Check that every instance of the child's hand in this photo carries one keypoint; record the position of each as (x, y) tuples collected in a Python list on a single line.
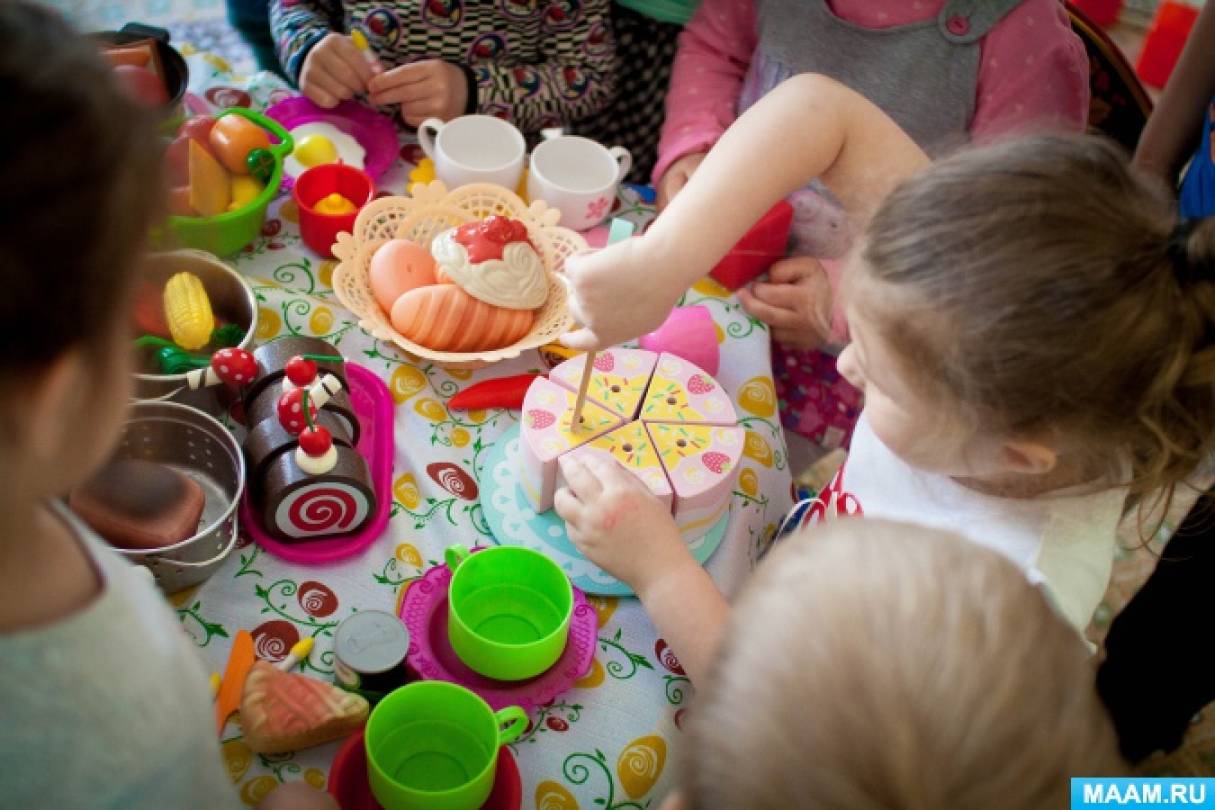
[(428, 89), (334, 71), (795, 302), (676, 177), (618, 524), (618, 293)]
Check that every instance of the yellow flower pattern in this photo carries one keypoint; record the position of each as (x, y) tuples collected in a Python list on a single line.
[(405, 382)]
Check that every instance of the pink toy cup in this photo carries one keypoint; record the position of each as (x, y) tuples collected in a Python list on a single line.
[(318, 230), (689, 333)]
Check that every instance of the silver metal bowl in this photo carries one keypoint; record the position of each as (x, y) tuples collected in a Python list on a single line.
[(232, 300), (197, 445)]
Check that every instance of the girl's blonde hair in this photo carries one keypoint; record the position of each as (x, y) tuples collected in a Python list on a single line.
[(1050, 289), (871, 665)]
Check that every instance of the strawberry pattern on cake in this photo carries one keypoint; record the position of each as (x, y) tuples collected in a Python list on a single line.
[(675, 429)]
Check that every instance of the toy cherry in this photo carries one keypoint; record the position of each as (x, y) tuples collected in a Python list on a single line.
[(235, 367), (301, 370), (316, 454)]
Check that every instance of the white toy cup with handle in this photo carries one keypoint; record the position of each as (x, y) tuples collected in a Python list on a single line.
[(579, 177), (474, 149)]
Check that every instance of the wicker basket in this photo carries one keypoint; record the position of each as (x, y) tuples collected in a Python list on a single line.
[(431, 210)]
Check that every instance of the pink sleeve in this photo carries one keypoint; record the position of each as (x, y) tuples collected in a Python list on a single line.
[(1034, 74), (714, 53)]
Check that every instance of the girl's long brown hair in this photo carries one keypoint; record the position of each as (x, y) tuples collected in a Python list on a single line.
[(1048, 287)]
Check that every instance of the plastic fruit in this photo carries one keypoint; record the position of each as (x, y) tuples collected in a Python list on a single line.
[(177, 161), (315, 150), (233, 138), (234, 366), (300, 370), (397, 267), (244, 191), (198, 128), (315, 441), (210, 192), (260, 164), (142, 85), (179, 202)]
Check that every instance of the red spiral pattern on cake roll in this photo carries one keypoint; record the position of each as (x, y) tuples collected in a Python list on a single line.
[(322, 509)]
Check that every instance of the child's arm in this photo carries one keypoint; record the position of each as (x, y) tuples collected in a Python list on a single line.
[(576, 77), (1034, 74), (1174, 128), (714, 53), (324, 64), (808, 127), (621, 527)]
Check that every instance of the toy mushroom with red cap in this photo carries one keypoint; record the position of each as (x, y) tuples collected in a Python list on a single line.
[(235, 367)]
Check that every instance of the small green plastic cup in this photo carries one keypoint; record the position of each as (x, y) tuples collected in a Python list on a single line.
[(433, 745), (508, 611)]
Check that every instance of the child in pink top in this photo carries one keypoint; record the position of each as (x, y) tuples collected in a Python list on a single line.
[(946, 71)]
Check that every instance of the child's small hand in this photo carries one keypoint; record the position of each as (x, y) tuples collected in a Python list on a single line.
[(431, 88), (334, 71), (676, 177), (618, 293), (795, 302), (618, 524)]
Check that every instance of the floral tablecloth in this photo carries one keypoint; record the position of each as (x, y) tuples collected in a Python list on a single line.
[(608, 743)]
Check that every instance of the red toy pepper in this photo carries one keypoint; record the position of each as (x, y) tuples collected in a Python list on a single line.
[(759, 248), (501, 392)]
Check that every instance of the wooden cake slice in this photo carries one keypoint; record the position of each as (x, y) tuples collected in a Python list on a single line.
[(546, 434), (618, 382), (683, 392), (701, 462), (630, 445), (283, 711)]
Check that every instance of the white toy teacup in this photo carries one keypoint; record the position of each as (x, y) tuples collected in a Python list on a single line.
[(474, 149), (578, 177)]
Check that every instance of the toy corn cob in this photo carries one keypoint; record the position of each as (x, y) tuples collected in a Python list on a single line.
[(188, 311)]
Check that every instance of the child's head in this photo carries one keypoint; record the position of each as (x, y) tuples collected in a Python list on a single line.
[(877, 665), (1038, 298), (79, 171)]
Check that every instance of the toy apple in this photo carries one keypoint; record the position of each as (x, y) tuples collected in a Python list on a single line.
[(301, 370)]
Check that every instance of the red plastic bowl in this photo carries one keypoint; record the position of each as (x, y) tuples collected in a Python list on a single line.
[(318, 230)]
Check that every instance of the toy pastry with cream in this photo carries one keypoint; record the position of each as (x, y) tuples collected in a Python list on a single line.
[(663, 418), (478, 288)]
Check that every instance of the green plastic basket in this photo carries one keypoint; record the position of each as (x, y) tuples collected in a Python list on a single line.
[(225, 234)]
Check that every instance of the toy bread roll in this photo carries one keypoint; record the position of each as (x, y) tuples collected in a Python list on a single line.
[(285, 711), (445, 318)]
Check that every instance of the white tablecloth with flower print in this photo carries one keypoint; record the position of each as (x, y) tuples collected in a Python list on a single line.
[(609, 742)]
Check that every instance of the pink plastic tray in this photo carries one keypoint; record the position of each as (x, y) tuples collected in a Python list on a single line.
[(424, 612), (373, 406), (374, 132), (348, 780)]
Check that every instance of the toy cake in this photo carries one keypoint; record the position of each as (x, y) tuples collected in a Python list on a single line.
[(663, 418)]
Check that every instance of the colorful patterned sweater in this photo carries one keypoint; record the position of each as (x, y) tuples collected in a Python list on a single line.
[(537, 63)]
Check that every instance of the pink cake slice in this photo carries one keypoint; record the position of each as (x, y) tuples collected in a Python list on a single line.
[(618, 382), (630, 445), (683, 392), (546, 431), (701, 463)]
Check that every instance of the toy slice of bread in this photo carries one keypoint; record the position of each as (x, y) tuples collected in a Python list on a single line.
[(140, 504), (210, 190), (285, 711), (445, 318)]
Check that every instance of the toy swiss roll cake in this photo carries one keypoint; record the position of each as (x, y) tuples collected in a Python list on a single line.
[(664, 419), (477, 288), (307, 480)]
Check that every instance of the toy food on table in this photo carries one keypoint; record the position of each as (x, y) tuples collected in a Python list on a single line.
[(283, 711), (140, 504), (501, 392), (397, 267), (306, 479), (490, 280), (210, 190), (209, 165), (446, 318), (320, 142), (335, 205), (232, 686), (663, 418), (232, 138), (138, 69), (188, 311)]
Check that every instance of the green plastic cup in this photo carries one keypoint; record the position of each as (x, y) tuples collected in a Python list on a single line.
[(434, 745), (508, 611)]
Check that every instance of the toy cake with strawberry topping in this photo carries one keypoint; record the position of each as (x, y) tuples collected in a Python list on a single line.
[(661, 417)]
